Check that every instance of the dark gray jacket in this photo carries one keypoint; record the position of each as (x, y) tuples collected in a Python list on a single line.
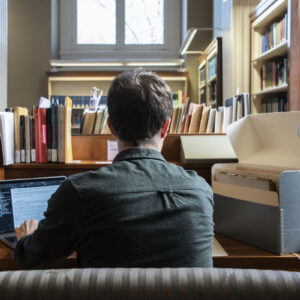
[(138, 212)]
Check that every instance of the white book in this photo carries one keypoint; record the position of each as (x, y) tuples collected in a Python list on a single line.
[(219, 120), (7, 137), (234, 109), (211, 121), (246, 104), (227, 117)]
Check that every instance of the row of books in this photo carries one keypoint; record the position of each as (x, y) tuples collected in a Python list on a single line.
[(275, 104), (274, 73), (77, 101), (95, 121), (43, 137), (276, 34), (198, 118)]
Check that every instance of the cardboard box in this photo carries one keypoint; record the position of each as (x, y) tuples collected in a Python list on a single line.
[(268, 149), (206, 149)]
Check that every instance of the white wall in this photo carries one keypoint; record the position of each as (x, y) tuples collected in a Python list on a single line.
[(3, 54)]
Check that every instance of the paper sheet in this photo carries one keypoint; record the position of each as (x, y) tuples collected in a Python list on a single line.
[(218, 250), (112, 150)]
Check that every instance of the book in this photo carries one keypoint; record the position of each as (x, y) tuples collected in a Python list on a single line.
[(179, 119), (174, 119), (184, 113), (27, 139), (49, 134), (98, 122), (7, 137), (36, 134), (211, 121), (18, 111), (204, 119), (219, 120), (61, 133), (196, 118), (188, 117), (105, 129), (22, 138), (88, 121), (54, 131), (68, 131), (42, 129), (227, 117), (32, 139)]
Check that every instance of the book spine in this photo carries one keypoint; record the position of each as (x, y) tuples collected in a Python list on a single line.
[(32, 140), (22, 138), (27, 139), (43, 135), (54, 131), (49, 134), (37, 135), (61, 134)]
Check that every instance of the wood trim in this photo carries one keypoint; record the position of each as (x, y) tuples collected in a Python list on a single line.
[(84, 74), (294, 56)]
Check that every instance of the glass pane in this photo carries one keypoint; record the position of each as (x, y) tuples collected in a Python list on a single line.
[(144, 22), (96, 22)]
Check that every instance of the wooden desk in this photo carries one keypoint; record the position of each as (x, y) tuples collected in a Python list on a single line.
[(240, 255)]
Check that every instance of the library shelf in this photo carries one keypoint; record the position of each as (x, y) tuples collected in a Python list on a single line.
[(272, 90), (279, 50), (90, 153)]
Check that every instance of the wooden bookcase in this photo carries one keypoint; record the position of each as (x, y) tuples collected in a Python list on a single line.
[(267, 13), (90, 153), (210, 75), (81, 83)]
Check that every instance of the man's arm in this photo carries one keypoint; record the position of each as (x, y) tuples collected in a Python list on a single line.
[(57, 235)]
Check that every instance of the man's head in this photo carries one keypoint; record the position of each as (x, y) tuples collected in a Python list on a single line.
[(139, 103)]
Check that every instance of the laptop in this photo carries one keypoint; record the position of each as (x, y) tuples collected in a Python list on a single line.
[(24, 199)]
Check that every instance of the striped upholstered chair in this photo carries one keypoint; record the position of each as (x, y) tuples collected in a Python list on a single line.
[(184, 283)]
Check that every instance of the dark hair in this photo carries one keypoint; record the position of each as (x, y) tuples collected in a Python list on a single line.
[(139, 102)]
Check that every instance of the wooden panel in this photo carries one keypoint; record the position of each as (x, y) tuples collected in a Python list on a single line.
[(294, 56), (2, 173), (90, 147)]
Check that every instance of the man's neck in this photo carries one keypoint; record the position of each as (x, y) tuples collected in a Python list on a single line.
[(155, 143)]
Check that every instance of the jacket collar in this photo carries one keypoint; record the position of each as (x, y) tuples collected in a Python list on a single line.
[(138, 153)]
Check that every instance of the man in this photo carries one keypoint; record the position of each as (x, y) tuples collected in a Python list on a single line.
[(138, 212)]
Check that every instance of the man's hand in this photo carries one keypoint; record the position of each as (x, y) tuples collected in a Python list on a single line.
[(28, 227)]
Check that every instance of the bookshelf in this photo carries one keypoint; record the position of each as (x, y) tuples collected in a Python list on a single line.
[(210, 75), (274, 40), (90, 153), (81, 83)]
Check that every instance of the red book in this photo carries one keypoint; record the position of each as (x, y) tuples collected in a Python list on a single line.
[(42, 135), (36, 134)]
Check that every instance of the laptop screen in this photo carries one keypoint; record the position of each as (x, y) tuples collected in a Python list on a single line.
[(24, 199)]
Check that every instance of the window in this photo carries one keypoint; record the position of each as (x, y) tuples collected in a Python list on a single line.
[(120, 29)]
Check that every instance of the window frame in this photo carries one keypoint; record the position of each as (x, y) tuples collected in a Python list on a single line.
[(69, 49)]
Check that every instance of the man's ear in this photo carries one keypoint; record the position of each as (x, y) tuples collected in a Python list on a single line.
[(110, 127), (165, 128)]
